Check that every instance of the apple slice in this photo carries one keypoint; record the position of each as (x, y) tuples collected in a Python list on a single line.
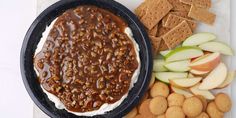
[(197, 72), (230, 77), (185, 82), (164, 53), (215, 78), (183, 53), (158, 56), (158, 65), (201, 57), (206, 62), (205, 93), (166, 76), (190, 75), (178, 66), (198, 39), (184, 92), (217, 47)]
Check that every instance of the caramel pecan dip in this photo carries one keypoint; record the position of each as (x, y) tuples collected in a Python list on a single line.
[(88, 62)]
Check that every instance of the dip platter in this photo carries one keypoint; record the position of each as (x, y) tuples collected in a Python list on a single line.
[(221, 29)]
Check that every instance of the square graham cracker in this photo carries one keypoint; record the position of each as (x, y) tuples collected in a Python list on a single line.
[(199, 3), (141, 9), (178, 13), (155, 12), (162, 30), (189, 2), (174, 20), (179, 6), (202, 15), (176, 35)]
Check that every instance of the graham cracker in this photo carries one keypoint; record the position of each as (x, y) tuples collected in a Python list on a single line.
[(202, 15), (199, 3), (176, 35), (162, 30), (155, 12), (174, 20), (153, 31), (178, 6), (163, 46), (189, 2), (141, 9), (155, 42), (178, 13)]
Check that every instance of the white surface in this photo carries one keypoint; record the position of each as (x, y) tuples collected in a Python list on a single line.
[(16, 17)]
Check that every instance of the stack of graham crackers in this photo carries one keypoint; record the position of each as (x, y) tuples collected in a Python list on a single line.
[(169, 22)]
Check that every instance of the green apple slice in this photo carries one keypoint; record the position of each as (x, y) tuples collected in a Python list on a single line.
[(158, 65), (217, 47), (166, 76), (164, 53), (178, 66), (198, 39), (183, 53)]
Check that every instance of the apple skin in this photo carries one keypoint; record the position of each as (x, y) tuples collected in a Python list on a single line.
[(164, 53), (215, 78), (204, 52), (183, 53), (208, 65), (199, 58), (196, 72)]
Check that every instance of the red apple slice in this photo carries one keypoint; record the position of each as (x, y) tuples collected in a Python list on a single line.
[(215, 78), (185, 82), (205, 54), (201, 57), (206, 62), (230, 77), (196, 72), (184, 92), (205, 93)]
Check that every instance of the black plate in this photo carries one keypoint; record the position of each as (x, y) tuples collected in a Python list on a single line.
[(35, 33)]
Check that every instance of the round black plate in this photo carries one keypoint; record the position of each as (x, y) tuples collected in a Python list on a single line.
[(35, 33)]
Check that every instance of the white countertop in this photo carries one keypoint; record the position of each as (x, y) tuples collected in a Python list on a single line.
[(16, 17)]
